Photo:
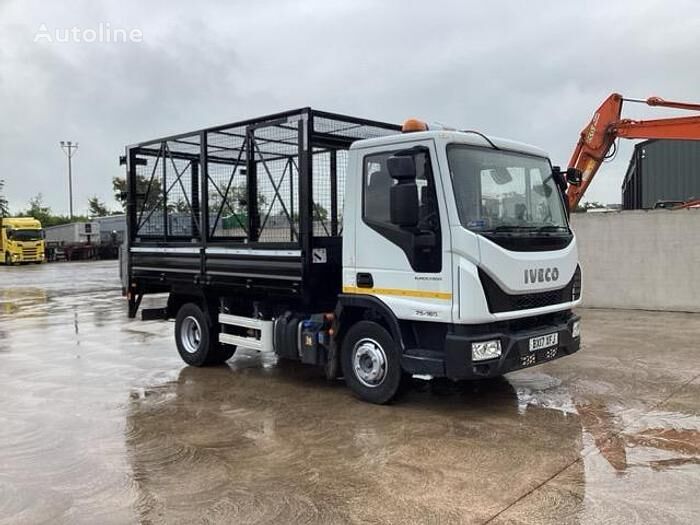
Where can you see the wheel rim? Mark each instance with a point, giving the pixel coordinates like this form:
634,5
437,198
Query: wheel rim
190,335
369,362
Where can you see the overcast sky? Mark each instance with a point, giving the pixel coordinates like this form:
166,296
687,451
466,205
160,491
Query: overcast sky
529,71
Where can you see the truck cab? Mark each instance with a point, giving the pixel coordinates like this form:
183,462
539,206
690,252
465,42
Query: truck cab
372,250
465,241
21,240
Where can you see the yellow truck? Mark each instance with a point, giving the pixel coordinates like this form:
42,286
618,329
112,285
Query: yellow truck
21,240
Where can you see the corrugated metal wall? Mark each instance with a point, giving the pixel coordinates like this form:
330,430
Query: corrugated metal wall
662,170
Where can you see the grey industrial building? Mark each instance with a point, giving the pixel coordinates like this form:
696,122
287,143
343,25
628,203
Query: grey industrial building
662,170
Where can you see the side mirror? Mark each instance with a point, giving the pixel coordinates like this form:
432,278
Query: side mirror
403,204
403,196
574,176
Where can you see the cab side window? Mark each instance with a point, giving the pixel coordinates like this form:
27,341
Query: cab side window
424,256
377,183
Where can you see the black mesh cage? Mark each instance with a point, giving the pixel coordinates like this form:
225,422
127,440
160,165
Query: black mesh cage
276,179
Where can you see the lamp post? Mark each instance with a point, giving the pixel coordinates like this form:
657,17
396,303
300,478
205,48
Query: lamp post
69,148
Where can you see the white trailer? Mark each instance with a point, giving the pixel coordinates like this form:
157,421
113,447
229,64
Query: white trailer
77,240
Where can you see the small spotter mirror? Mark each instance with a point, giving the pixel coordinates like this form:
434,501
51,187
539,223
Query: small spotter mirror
402,167
501,176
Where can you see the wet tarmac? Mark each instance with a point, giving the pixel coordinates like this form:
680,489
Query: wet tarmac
100,422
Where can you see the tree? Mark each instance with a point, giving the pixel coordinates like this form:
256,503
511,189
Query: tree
4,205
320,213
179,206
146,187
97,208
236,200
39,210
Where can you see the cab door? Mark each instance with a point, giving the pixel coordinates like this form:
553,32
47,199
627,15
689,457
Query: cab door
407,268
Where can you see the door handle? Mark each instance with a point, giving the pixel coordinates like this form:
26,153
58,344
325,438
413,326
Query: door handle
364,280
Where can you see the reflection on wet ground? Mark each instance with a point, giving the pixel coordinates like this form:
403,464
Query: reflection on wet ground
101,423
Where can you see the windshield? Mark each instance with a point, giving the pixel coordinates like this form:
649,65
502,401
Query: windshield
504,191
25,235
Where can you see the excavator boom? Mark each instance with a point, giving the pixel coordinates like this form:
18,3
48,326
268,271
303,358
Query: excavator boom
599,136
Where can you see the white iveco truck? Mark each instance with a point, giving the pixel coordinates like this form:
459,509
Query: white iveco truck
372,250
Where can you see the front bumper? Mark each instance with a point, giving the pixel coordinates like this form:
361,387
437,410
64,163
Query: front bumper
29,258
455,360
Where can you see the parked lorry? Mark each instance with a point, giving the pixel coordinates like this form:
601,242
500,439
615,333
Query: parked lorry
21,240
372,250
74,241
112,233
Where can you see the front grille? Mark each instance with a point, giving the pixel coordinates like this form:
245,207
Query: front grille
535,300
500,301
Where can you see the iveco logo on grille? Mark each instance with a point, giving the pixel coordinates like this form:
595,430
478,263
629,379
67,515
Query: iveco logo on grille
541,275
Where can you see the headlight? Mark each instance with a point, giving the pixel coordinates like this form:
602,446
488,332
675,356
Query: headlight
576,329
486,350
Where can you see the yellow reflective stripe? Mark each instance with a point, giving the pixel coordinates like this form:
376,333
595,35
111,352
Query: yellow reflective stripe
426,294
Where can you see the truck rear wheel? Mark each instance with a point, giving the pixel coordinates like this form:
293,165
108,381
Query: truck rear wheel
371,362
197,339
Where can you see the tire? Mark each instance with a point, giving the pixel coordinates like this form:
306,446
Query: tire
371,362
8,259
197,338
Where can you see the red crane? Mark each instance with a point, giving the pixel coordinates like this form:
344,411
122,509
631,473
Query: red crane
599,136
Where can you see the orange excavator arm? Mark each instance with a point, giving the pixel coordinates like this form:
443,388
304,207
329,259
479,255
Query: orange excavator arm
599,136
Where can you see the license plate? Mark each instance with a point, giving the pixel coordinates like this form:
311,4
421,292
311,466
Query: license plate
544,341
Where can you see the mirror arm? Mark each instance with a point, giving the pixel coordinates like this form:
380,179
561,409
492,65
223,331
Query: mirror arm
425,239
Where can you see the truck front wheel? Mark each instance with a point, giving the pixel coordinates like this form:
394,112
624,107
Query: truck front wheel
371,362
197,339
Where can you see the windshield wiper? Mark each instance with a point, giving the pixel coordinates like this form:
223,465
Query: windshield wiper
552,228
515,227
512,228
531,229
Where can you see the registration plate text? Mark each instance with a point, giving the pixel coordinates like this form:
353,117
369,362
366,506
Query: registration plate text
543,341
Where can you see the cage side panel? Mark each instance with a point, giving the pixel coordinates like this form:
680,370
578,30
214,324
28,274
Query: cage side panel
226,184
323,196
276,156
179,198
165,189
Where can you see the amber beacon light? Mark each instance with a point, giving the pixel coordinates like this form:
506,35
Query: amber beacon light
413,124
